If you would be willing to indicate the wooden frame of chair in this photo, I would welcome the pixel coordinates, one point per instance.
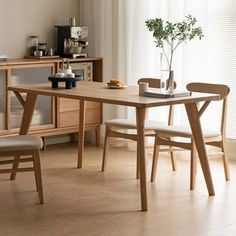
(164, 137)
(19, 157)
(112, 131)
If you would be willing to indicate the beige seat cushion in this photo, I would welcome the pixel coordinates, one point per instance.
(185, 131)
(20, 142)
(131, 124)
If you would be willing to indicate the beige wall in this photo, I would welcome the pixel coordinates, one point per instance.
(21, 18)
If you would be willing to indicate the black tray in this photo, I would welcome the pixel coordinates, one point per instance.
(69, 82)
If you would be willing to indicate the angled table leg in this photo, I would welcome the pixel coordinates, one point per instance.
(81, 133)
(194, 120)
(28, 106)
(28, 113)
(140, 117)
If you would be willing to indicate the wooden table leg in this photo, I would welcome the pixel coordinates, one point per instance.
(29, 106)
(81, 133)
(194, 120)
(140, 117)
(28, 113)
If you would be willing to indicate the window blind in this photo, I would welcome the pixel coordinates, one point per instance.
(213, 59)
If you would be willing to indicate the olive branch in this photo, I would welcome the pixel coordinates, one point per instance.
(173, 34)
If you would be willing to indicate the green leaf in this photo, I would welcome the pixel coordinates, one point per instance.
(173, 33)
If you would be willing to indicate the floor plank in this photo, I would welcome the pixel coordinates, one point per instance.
(88, 202)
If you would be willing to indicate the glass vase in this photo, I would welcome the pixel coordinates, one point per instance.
(170, 84)
(166, 75)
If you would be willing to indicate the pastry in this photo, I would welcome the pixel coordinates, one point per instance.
(115, 82)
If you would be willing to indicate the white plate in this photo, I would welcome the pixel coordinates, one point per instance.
(115, 87)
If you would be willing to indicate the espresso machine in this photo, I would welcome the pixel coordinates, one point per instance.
(72, 41)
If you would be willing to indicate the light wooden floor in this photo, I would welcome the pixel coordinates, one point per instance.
(87, 202)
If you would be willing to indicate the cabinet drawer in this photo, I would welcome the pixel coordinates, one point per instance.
(71, 118)
(66, 104)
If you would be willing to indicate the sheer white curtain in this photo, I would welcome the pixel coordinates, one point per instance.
(117, 32)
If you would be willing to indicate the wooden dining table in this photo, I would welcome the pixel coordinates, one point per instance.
(129, 96)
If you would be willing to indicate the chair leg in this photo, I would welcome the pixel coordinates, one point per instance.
(173, 162)
(138, 165)
(44, 143)
(38, 176)
(97, 136)
(193, 166)
(105, 150)
(14, 167)
(225, 161)
(155, 159)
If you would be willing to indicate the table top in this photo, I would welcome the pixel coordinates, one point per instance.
(98, 92)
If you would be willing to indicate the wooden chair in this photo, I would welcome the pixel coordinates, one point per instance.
(216, 138)
(118, 127)
(20, 148)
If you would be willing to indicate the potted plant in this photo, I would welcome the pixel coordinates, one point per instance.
(168, 36)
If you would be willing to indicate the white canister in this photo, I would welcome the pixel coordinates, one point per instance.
(143, 86)
(66, 71)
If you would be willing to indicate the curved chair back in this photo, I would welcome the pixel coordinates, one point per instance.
(153, 82)
(221, 89)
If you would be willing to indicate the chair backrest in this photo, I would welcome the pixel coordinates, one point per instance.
(153, 82)
(156, 83)
(220, 89)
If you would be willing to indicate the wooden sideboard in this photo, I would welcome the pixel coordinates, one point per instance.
(53, 116)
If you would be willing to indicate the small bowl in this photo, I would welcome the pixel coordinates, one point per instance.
(59, 75)
(65, 71)
(69, 75)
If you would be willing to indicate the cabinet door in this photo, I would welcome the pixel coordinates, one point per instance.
(43, 114)
(2, 100)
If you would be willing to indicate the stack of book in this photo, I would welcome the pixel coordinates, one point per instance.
(160, 93)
